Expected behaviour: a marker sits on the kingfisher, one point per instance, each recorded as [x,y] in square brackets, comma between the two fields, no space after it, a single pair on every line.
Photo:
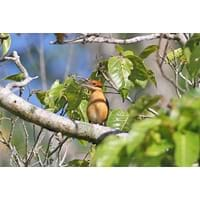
[98,107]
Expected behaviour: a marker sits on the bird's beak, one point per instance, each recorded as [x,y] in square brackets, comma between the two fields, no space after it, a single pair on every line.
[88,86]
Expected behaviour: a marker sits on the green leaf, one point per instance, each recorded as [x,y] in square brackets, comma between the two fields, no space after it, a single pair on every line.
[176,54]
[5,43]
[16,77]
[187,54]
[124,91]
[140,75]
[74,93]
[148,50]
[142,104]
[53,100]
[186,148]
[80,113]
[96,75]
[138,131]
[156,149]
[186,110]
[151,77]
[193,41]
[119,48]
[193,66]
[41,96]
[111,152]
[83,110]
[119,69]
[128,53]
[118,119]
[78,163]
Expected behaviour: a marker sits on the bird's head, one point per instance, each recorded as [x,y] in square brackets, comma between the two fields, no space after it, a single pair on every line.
[93,85]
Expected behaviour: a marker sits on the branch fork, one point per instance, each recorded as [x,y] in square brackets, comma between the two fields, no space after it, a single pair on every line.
[27,79]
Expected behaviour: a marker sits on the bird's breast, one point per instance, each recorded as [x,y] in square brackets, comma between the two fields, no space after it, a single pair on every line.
[97,110]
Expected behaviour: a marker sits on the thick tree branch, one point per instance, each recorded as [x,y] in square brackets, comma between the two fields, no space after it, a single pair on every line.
[51,121]
[95,38]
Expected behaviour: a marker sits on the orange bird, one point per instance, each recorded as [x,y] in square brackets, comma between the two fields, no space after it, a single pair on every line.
[98,108]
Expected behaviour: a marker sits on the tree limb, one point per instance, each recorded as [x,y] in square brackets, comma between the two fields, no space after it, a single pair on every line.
[93,38]
[51,121]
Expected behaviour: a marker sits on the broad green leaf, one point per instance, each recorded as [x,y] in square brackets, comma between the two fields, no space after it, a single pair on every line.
[193,66]
[74,93]
[119,69]
[122,52]
[150,161]
[148,50]
[157,149]
[118,119]
[15,77]
[111,152]
[186,148]
[53,98]
[83,110]
[141,160]
[5,43]
[138,131]
[128,53]
[186,110]
[140,74]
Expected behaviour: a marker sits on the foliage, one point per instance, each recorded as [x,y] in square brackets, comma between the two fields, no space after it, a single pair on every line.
[170,138]
[5,43]
[69,94]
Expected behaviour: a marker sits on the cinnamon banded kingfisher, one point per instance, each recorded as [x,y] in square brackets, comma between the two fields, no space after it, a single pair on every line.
[98,107]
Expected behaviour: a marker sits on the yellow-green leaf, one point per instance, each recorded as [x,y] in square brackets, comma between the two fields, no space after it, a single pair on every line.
[5,43]
[186,148]
[148,50]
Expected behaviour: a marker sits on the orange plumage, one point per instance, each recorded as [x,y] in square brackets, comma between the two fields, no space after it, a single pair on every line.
[98,109]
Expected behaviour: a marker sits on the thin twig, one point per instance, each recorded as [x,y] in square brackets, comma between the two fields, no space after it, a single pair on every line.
[64,156]
[39,159]
[13,122]
[160,64]
[184,78]
[27,79]
[59,145]
[14,154]
[112,84]
[48,147]
[33,148]
[26,140]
